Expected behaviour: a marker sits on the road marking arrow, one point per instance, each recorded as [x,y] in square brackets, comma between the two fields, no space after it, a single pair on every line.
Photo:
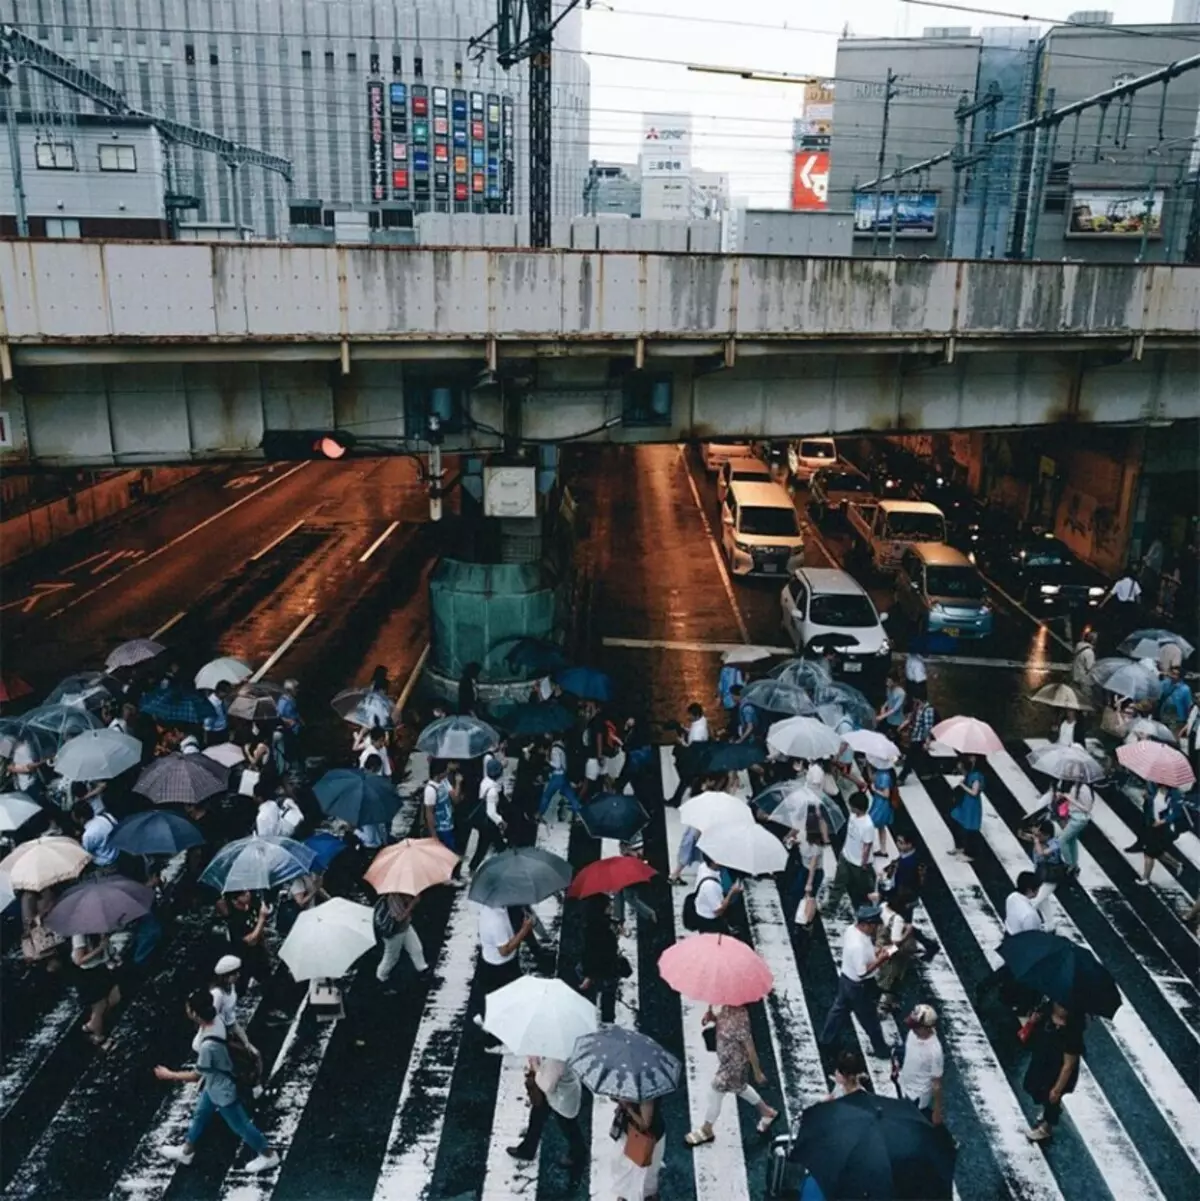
[28,603]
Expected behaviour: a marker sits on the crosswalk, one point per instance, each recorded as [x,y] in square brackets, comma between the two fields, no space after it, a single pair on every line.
[423,1114]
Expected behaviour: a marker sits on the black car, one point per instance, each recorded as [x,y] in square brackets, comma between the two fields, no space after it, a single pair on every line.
[1047,577]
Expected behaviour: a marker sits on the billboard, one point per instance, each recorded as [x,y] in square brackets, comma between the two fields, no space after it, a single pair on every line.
[669,132]
[810,180]
[1114,213]
[377,154]
[916,214]
[818,106]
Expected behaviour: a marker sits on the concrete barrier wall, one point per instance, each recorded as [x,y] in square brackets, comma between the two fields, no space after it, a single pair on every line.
[45,524]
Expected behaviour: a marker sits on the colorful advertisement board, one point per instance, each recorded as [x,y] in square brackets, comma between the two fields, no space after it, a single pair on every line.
[1114,213]
[916,214]
[377,153]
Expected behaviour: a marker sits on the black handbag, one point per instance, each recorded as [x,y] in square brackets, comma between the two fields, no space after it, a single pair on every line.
[709,1034]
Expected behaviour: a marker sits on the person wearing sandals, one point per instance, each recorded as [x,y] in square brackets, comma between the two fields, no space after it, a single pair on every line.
[737,1061]
[96,982]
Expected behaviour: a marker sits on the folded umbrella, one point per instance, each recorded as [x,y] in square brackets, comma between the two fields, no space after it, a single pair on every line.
[852,703]
[356,796]
[178,779]
[1135,681]
[519,876]
[1158,763]
[873,744]
[967,735]
[744,847]
[875,1147]
[254,702]
[1071,763]
[716,969]
[411,866]
[614,815]
[717,758]
[536,1015]
[364,707]
[615,1061]
[130,654]
[99,906]
[774,696]
[63,722]
[325,942]
[155,832]
[15,810]
[98,755]
[707,809]
[791,802]
[44,861]
[806,738]
[1145,644]
[257,863]
[609,875]
[586,683]
[528,656]
[1060,696]
[12,688]
[457,738]
[178,707]
[84,690]
[1061,970]
[547,717]
[326,847]
[223,670]
[227,754]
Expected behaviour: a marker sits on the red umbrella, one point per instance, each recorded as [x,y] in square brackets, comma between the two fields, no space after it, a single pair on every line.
[13,688]
[716,969]
[609,875]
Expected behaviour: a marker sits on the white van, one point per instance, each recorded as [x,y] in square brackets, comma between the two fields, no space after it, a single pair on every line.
[806,455]
[760,530]
[716,453]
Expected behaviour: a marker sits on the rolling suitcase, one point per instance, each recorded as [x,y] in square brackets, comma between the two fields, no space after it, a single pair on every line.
[784,1177]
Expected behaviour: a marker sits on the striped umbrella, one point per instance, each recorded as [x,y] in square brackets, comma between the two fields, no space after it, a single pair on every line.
[178,779]
[1158,763]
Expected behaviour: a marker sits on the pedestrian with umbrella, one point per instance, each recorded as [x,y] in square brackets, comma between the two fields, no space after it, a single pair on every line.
[178,779]
[499,963]
[357,797]
[966,818]
[602,967]
[393,926]
[457,738]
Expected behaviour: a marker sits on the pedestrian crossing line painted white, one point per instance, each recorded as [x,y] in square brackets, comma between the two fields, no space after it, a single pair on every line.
[26,1061]
[1100,1129]
[1169,1091]
[1177,990]
[407,1169]
[505,1177]
[720,1166]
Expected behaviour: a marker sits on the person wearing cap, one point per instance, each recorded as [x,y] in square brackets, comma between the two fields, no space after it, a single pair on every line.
[225,997]
[490,823]
[857,991]
[920,1078]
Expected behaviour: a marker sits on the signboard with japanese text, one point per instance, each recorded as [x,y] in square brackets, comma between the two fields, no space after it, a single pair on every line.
[377,152]
[668,132]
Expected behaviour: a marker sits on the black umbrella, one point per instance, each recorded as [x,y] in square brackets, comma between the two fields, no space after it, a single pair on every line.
[1061,970]
[876,1148]
[614,815]
[712,758]
[520,876]
[356,796]
[548,717]
[532,656]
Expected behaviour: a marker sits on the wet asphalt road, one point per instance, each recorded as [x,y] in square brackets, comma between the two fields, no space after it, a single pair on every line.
[74,1130]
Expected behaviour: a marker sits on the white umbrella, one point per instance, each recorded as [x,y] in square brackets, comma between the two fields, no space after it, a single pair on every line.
[803,738]
[538,1015]
[745,654]
[325,942]
[227,754]
[744,847]
[7,896]
[98,755]
[232,671]
[44,861]
[872,744]
[1066,763]
[712,809]
[968,735]
[130,654]
[15,810]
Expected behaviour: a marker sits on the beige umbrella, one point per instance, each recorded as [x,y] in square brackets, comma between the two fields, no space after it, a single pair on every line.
[43,862]
[1060,696]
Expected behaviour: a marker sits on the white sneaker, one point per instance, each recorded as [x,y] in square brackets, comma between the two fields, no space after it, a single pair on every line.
[263,1163]
[178,1154]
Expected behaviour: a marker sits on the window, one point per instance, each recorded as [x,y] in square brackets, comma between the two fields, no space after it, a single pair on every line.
[189,54]
[305,214]
[916,527]
[847,610]
[55,156]
[960,583]
[759,521]
[306,60]
[62,227]
[329,63]
[117,158]
[419,67]
[375,63]
[213,60]
[397,65]
[352,63]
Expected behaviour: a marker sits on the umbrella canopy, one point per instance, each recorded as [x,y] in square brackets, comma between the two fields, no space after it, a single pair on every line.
[872,744]
[1158,763]
[716,758]
[227,754]
[14,731]
[968,735]
[364,707]
[716,969]
[774,696]
[547,717]
[98,755]
[156,832]
[803,738]
[326,847]
[791,802]
[610,875]
[326,941]
[528,656]
[519,876]
[257,863]
[1060,696]
[853,701]
[178,779]
[1136,681]
[63,722]
[15,810]
[614,815]
[745,654]
[586,683]
[458,738]
[177,707]
[536,1015]
[1145,644]
[1147,727]
[744,847]
[411,866]
[708,809]
[254,702]
[357,796]
[41,862]
[12,688]
[7,896]
[224,669]
[1061,970]
[876,1147]
[1066,763]
[130,654]
[84,690]
[618,1062]
[100,906]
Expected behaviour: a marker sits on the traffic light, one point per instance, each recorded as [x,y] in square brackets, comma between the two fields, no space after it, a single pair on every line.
[306,444]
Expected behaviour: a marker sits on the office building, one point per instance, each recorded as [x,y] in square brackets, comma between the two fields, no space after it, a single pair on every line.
[1186,12]
[614,189]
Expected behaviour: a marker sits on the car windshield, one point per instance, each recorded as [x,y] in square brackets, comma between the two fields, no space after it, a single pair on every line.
[917,527]
[959,582]
[845,483]
[768,523]
[751,471]
[817,450]
[1048,554]
[852,610]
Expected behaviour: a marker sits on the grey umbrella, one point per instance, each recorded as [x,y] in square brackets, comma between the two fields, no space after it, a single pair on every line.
[457,738]
[99,906]
[130,654]
[98,755]
[520,876]
[774,696]
[254,702]
[1071,763]
[1135,681]
[178,779]
[622,1063]
[364,707]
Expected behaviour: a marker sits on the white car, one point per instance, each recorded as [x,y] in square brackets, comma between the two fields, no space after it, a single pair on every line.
[820,601]
[716,453]
[760,530]
[807,455]
[743,471]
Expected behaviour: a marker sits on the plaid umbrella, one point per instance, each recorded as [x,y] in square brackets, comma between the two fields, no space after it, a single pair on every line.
[178,779]
[178,707]
[130,654]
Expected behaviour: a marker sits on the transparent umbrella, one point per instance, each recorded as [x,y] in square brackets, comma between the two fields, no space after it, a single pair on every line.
[809,674]
[457,738]
[1071,763]
[790,804]
[257,864]
[1145,644]
[1135,680]
[774,696]
[853,703]
[62,721]
[86,689]
[364,707]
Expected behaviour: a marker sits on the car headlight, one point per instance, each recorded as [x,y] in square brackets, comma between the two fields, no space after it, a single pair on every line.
[742,546]
[938,607]
[885,648]
[985,610]
[971,557]
[1050,589]
[1095,592]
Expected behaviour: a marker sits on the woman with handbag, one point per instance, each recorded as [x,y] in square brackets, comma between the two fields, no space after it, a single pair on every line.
[639,1127]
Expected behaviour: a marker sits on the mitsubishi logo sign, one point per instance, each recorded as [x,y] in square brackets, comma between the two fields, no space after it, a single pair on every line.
[654,134]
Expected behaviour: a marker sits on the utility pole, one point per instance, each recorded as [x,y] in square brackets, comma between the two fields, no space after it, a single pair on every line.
[14,152]
[895,207]
[1045,139]
[889,94]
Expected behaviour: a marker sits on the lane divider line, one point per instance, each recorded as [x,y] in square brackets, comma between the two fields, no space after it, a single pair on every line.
[413,679]
[378,542]
[283,648]
[275,542]
[173,621]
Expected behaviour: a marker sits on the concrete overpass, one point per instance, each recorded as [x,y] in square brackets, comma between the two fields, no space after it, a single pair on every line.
[128,353]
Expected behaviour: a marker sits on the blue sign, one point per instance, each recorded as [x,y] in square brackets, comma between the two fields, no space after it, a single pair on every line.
[915,214]
[399,94]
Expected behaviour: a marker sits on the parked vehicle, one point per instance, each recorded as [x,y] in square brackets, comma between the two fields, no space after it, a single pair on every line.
[827,600]
[1043,573]
[806,455]
[833,488]
[716,453]
[883,530]
[942,593]
[742,471]
[760,530]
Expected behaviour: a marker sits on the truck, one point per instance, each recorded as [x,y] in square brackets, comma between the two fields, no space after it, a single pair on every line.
[883,530]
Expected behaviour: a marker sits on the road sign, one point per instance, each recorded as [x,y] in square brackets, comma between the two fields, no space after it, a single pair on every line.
[810,181]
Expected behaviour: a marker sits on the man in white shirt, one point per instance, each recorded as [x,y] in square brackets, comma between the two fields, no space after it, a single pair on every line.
[697,727]
[557,1090]
[374,743]
[499,964]
[855,870]
[857,992]
[924,1063]
[268,819]
[490,823]
[1020,913]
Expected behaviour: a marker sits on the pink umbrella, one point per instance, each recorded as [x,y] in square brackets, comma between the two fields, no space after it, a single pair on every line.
[1158,763]
[411,866]
[967,735]
[716,969]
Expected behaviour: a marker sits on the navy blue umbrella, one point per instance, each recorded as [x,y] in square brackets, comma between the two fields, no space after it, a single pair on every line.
[1061,970]
[326,846]
[357,796]
[155,832]
[548,717]
[587,683]
[614,815]
[712,758]
[177,707]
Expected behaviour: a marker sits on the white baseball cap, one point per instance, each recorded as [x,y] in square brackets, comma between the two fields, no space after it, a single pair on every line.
[227,964]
